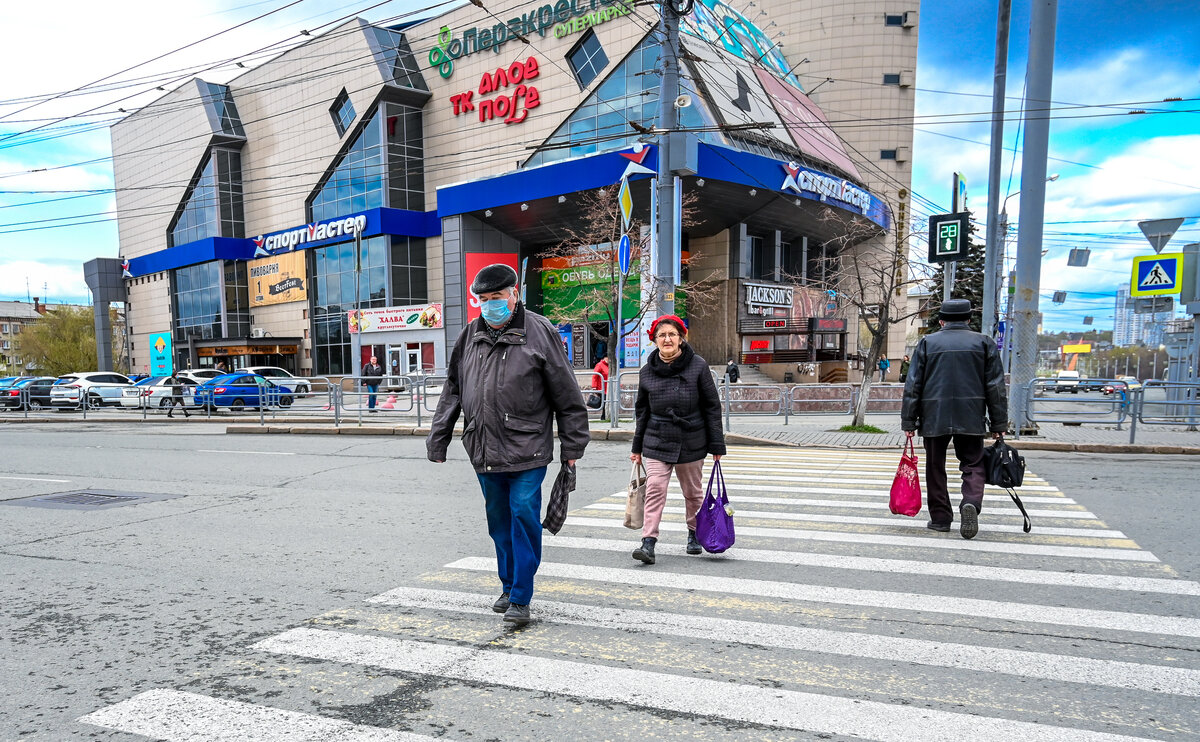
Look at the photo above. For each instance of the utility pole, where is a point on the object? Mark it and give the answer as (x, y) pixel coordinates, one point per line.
(1039, 81)
(995, 238)
(666, 263)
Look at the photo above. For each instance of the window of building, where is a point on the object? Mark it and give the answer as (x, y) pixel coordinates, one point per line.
(219, 102)
(887, 154)
(893, 20)
(392, 52)
(587, 59)
(197, 299)
(342, 112)
(333, 296)
(409, 278)
(630, 93)
(4, 328)
(891, 78)
(762, 259)
(212, 206)
(405, 160)
(237, 299)
(357, 182)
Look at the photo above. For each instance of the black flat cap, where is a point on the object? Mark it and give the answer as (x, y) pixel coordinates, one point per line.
(955, 309)
(494, 277)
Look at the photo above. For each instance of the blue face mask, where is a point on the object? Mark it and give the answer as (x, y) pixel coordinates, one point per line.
(495, 312)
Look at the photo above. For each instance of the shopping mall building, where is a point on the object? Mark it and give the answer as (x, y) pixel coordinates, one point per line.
(480, 136)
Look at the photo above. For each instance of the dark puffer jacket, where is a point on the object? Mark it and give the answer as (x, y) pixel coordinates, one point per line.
(678, 411)
(510, 391)
(955, 385)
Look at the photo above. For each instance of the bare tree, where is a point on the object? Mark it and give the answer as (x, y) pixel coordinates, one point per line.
(591, 244)
(871, 282)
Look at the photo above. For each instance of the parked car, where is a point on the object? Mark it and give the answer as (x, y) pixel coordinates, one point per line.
(154, 392)
(280, 376)
(1131, 383)
(96, 388)
(32, 392)
(237, 391)
(197, 376)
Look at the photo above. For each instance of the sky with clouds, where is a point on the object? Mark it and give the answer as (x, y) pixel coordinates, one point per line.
(1116, 166)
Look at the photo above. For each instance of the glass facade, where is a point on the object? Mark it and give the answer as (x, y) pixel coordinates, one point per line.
(197, 298)
(237, 299)
(406, 164)
(219, 102)
(357, 183)
(601, 124)
(333, 297)
(212, 207)
(393, 53)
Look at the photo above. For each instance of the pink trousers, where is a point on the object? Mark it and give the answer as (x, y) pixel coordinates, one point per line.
(658, 474)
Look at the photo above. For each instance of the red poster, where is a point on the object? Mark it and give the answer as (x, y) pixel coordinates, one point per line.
(476, 261)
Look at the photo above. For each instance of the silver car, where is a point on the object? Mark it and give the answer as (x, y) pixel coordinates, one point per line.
(95, 388)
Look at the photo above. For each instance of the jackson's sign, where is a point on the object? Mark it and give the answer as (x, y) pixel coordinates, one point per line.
(315, 232)
(564, 17)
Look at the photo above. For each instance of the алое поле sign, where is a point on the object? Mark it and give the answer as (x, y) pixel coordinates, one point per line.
(514, 106)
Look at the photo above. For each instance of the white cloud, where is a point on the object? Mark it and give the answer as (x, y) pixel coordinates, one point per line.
(52, 281)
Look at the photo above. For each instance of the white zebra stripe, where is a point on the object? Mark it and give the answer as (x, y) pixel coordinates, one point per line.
(1005, 507)
(688, 695)
(994, 492)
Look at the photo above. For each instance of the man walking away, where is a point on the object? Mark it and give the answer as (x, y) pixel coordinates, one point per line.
(955, 391)
(372, 376)
(177, 390)
(510, 380)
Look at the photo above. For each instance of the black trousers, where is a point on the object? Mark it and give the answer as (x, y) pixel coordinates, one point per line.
(969, 451)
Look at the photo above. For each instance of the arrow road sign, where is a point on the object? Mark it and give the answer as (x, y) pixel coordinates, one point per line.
(1159, 231)
(1156, 275)
(623, 253)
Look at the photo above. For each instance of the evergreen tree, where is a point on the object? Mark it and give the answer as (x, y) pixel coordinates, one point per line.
(968, 283)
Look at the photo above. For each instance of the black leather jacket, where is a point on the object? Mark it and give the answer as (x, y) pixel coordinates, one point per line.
(955, 385)
(510, 390)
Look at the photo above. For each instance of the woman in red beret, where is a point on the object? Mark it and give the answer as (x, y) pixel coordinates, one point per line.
(678, 417)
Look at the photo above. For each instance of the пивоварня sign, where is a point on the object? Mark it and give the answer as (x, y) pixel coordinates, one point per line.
(541, 20)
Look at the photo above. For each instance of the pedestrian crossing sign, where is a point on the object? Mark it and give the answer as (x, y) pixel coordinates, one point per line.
(1156, 275)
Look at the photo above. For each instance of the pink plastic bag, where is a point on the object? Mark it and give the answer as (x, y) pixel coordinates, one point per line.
(906, 487)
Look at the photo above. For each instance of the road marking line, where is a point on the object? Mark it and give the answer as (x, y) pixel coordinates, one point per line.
(674, 493)
(1023, 613)
(931, 541)
(36, 479)
(899, 521)
(1112, 673)
(911, 567)
(689, 695)
(188, 717)
(993, 491)
(761, 479)
(887, 472)
(255, 453)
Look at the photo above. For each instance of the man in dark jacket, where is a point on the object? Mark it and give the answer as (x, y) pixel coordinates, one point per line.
(955, 391)
(509, 377)
(372, 376)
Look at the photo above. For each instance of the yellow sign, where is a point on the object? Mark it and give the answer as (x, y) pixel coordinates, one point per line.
(1078, 348)
(625, 198)
(278, 279)
(1156, 275)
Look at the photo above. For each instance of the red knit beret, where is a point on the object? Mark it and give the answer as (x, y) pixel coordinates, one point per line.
(668, 317)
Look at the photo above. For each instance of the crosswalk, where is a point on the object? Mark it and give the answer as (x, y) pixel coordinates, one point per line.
(829, 619)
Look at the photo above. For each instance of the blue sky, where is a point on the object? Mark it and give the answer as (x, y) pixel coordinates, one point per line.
(1115, 168)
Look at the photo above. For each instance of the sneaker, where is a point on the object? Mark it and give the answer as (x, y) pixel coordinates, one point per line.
(645, 552)
(517, 613)
(970, 521)
(501, 604)
(693, 546)
(939, 527)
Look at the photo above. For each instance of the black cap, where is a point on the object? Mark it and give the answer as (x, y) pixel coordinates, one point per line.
(955, 309)
(494, 277)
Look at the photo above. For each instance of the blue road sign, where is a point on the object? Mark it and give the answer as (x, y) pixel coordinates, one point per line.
(623, 254)
(1156, 275)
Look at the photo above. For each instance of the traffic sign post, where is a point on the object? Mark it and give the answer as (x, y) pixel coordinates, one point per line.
(623, 254)
(1156, 275)
(1160, 231)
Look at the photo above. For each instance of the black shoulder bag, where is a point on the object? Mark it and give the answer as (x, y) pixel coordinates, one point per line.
(1004, 467)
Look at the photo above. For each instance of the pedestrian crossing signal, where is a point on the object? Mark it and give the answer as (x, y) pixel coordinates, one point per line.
(948, 237)
(1156, 275)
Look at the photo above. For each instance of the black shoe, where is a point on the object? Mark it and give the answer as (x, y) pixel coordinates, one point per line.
(169, 415)
(645, 552)
(970, 521)
(501, 604)
(517, 613)
(693, 546)
(939, 527)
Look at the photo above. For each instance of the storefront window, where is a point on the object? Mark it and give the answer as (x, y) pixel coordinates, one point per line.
(198, 301)
(333, 297)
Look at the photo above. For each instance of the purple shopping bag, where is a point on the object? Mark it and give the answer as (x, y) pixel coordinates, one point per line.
(714, 522)
(906, 487)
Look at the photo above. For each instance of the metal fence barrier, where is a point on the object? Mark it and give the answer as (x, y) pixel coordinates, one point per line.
(1045, 402)
(821, 399)
(1165, 403)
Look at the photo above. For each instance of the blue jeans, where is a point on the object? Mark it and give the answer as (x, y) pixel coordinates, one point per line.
(514, 507)
(371, 389)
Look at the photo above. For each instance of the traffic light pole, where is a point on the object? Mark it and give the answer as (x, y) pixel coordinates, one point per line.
(1033, 205)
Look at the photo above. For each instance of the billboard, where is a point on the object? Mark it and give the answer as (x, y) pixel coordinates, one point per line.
(278, 279)
(162, 357)
(387, 319)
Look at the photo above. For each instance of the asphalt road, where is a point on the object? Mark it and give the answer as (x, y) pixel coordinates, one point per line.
(291, 587)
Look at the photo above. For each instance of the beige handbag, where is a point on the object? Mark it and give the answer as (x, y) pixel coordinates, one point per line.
(635, 503)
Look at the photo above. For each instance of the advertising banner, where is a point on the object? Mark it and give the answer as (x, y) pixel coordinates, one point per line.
(278, 279)
(388, 319)
(162, 357)
(475, 262)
